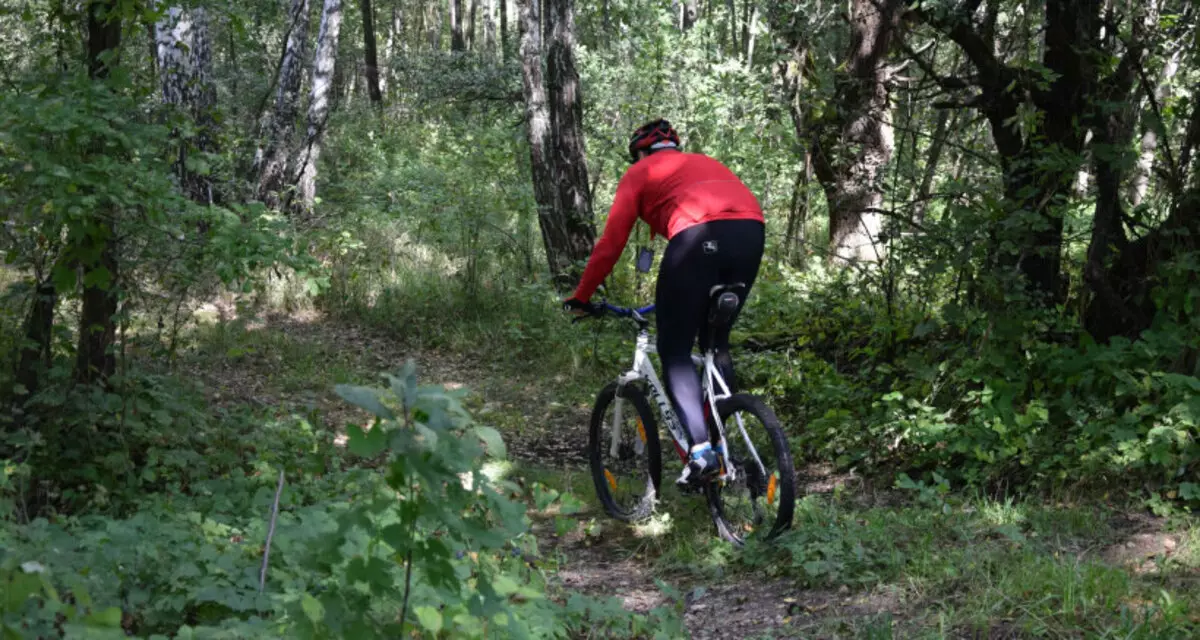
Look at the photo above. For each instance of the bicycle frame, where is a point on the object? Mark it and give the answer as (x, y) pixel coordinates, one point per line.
(643, 369)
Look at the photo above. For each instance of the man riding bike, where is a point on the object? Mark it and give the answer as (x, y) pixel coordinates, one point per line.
(715, 234)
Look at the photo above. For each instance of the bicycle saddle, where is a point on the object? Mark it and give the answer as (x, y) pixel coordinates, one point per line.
(723, 302)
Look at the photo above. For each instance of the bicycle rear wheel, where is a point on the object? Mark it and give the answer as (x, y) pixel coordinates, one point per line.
(758, 501)
(626, 471)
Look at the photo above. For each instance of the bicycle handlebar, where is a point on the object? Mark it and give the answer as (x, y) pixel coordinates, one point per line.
(620, 312)
(626, 312)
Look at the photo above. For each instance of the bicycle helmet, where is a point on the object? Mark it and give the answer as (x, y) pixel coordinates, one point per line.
(651, 136)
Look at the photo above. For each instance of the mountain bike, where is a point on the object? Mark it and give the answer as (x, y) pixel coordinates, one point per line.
(749, 495)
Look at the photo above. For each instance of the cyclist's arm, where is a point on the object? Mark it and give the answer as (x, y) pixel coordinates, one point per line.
(621, 218)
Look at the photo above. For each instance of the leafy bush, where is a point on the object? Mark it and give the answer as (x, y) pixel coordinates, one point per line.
(429, 543)
(1019, 400)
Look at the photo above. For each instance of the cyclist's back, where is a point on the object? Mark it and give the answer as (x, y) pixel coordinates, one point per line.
(715, 230)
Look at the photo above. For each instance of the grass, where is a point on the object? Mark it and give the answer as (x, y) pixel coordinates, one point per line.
(960, 565)
(985, 569)
(978, 568)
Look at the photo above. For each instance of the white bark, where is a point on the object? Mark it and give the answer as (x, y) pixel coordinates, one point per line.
(324, 62)
(272, 161)
(184, 57)
(1149, 142)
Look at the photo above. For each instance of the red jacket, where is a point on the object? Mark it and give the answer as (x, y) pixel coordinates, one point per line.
(671, 191)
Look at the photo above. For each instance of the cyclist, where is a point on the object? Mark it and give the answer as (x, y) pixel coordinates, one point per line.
(715, 234)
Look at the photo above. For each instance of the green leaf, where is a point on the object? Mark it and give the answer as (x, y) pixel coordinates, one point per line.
(429, 436)
(364, 398)
(430, 618)
(504, 585)
(19, 588)
(64, 278)
(494, 441)
(110, 617)
(367, 444)
(312, 608)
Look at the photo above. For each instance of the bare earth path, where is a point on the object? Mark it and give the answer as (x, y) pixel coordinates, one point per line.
(539, 431)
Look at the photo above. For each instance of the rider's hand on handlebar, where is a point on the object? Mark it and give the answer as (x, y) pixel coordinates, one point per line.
(579, 308)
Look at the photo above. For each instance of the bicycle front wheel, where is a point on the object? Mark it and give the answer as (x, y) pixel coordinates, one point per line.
(760, 498)
(623, 452)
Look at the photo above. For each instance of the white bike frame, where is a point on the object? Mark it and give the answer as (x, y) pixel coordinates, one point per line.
(643, 369)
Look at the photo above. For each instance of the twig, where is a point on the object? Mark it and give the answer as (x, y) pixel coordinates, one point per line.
(262, 574)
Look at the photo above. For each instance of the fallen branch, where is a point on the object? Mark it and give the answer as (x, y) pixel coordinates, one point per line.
(262, 574)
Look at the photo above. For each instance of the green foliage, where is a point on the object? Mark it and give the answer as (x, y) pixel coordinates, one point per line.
(427, 541)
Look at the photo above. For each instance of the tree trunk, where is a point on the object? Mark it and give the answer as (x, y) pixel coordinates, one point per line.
(691, 12)
(565, 242)
(433, 26)
(798, 215)
(273, 172)
(395, 35)
(503, 29)
(95, 362)
(489, 26)
(851, 148)
(731, 23)
(324, 66)
(372, 60)
(184, 57)
(566, 122)
(940, 133)
(746, 9)
(470, 30)
(750, 36)
(1149, 141)
(1028, 241)
(39, 330)
(457, 42)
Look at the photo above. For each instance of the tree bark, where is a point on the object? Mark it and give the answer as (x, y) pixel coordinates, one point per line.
(746, 4)
(433, 26)
(489, 26)
(274, 163)
(731, 23)
(395, 35)
(750, 35)
(324, 66)
(566, 239)
(940, 133)
(503, 29)
(798, 215)
(1149, 140)
(851, 147)
(566, 122)
(457, 41)
(691, 12)
(39, 330)
(95, 361)
(470, 30)
(184, 56)
(372, 59)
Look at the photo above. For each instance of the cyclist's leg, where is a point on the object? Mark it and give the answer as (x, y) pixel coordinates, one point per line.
(741, 249)
(681, 299)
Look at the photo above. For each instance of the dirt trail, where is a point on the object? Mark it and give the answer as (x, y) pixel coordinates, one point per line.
(547, 434)
(725, 608)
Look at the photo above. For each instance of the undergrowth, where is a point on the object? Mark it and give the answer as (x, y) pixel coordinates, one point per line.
(432, 544)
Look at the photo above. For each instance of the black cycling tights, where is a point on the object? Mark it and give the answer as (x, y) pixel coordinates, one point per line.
(696, 259)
